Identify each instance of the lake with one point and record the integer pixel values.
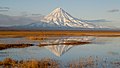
(65, 49)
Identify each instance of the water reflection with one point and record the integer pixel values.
(57, 45)
(70, 42)
(67, 40)
(65, 49)
(59, 50)
(48, 40)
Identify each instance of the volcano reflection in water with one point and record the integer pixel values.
(64, 44)
(56, 45)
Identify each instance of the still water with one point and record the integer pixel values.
(64, 48)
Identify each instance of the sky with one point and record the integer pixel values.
(107, 10)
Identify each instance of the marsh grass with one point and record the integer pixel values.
(89, 62)
(44, 63)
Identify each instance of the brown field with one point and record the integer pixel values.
(57, 33)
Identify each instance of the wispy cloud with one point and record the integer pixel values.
(114, 10)
(4, 9)
(17, 20)
(96, 21)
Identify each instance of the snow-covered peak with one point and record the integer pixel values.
(58, 10)
(58, 15)
(61, 18)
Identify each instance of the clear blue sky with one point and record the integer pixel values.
(84, 9)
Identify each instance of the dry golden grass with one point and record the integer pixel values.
(57, 33)
(36, 38)
(44, 63)
(89, 62)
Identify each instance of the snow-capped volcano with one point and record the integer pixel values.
(59, 15)
(61, 18)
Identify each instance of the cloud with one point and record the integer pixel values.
(96, 21)
(17, 20)
(7, 20)
(4, 9)
(114, 10)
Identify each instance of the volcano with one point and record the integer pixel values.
(61, 18)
